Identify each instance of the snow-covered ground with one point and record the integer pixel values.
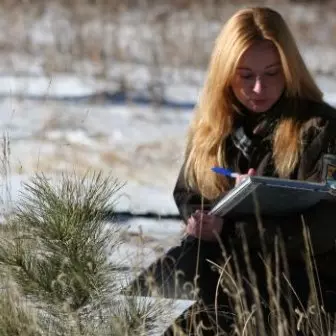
(67, 121)
(139, 144)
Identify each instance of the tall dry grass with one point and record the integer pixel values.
(55, 248)
(56, 277)
(271, 309)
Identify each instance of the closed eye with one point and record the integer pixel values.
(246, 76)
(272, 73)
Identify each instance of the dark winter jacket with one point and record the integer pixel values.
(319, 138)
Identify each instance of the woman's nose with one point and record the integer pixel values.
(258, 85)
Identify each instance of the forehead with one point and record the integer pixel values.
(259, 56)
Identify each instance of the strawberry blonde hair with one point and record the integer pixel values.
(213, 119)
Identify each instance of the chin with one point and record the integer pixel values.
(260, 108)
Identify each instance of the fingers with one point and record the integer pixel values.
(192, 228)
(196, 228)
(251, 172)
(241, 178)
(200, 231)
(204, 226)
(199, 214)
(202, 217)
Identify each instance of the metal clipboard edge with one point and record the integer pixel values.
(234, 197)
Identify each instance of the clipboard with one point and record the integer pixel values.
(271, 196)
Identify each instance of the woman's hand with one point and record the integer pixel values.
(204, 226)
(241, 178)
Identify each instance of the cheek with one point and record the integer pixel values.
(277, 87)
(240, 89)
(276, 91)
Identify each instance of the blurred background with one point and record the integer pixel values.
(110, 85)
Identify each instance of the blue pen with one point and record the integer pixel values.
(225, 171)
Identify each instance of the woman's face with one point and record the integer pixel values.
(259, 80)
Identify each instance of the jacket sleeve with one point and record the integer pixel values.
(319, 219)
(188, 200)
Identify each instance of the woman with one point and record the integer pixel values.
(260, 113)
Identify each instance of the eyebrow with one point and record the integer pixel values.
(269, 66)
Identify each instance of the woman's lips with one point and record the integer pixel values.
(258, 102)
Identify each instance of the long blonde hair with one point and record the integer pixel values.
(213, 119)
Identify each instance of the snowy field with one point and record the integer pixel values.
(58, 123)
(137, 144)
(76, 120)
(54, 126)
